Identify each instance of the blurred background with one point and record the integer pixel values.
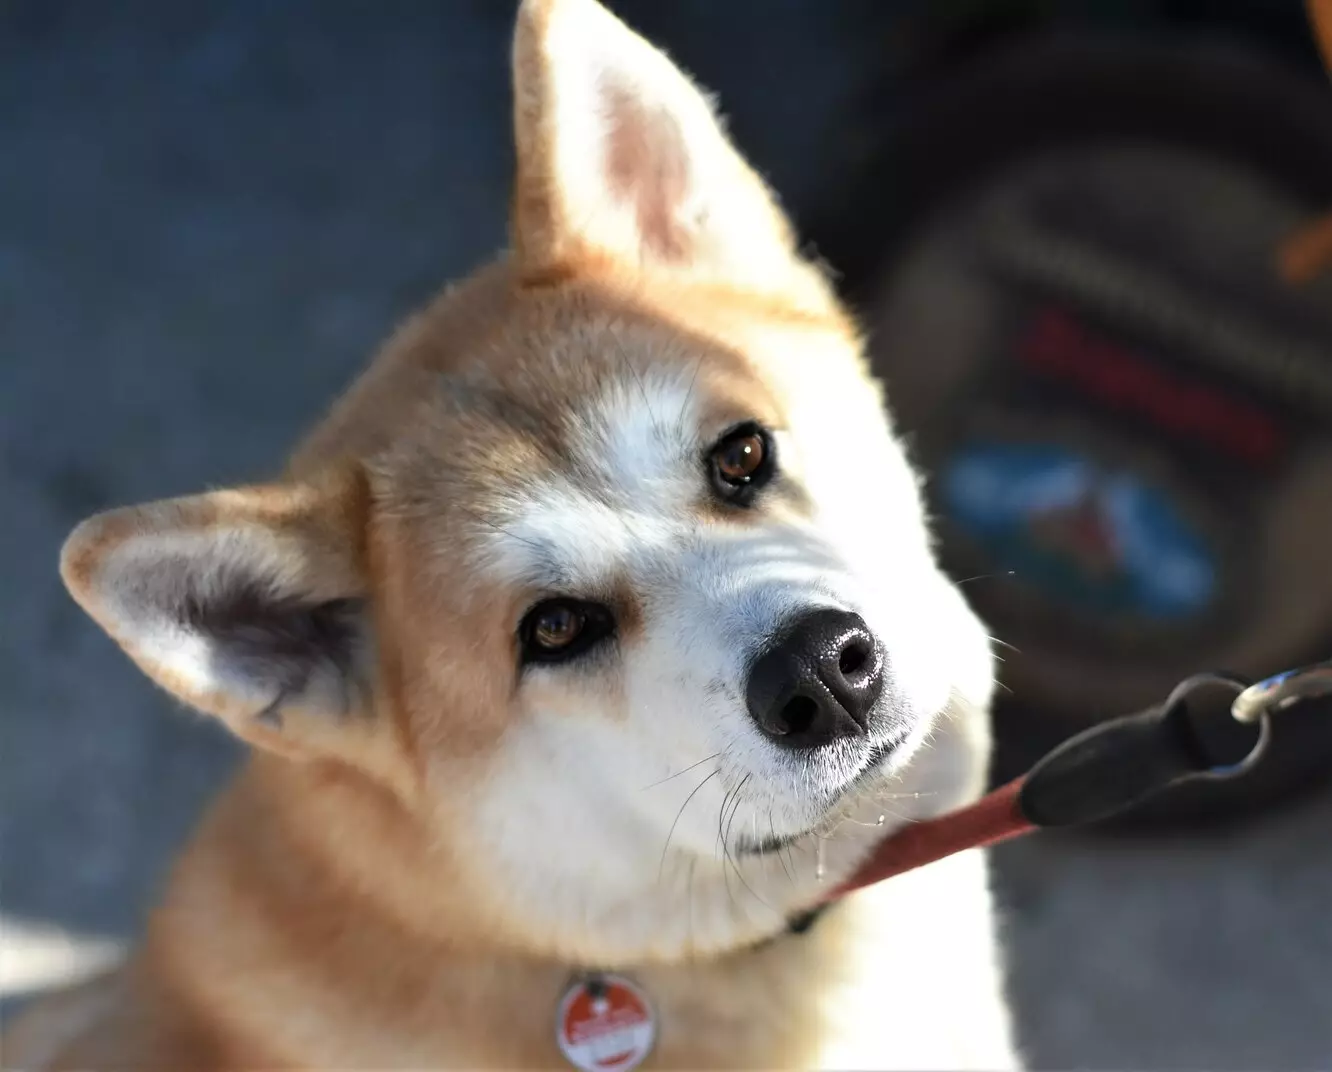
(1087, 239)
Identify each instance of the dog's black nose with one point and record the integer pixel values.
(818, 682)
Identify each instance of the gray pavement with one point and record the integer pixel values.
(209, 214)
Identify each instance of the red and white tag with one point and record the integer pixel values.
(605, 1024)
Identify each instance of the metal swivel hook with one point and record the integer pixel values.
(1282, 690)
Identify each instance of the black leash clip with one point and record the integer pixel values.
(1115, 765)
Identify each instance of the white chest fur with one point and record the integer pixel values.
(904, 975)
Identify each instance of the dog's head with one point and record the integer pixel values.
(610, 567)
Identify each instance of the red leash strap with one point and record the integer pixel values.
(996, 817)
(1104, 770)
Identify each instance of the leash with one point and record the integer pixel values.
(1109, 768)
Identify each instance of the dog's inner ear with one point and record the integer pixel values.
(261, 639)
(620, 156)
(247, 604)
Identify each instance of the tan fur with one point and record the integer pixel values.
(335, 909)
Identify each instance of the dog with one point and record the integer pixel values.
(593, 637)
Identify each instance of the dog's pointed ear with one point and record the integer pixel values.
(249, 604)
(620, 156)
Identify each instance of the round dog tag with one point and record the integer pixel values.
(605, 1024)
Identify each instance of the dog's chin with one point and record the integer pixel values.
(880, 760)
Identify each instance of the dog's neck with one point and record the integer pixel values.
(319, 876)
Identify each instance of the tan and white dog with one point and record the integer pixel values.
(595, 630)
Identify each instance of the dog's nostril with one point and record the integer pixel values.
(853, 658)
(798, 715)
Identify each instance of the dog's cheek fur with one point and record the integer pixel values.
(449, 657)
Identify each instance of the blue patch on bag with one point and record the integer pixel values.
(1106, 540)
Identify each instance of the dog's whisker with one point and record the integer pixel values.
(689, 394)
(986, 577)
(857, 822)
(727, 857)
(723, 825)
(790, 859)
(721, 812)
(638, 379)
(671, 833)
(505, 532)
(671, 777)
(754, 836)
(726, 881)
(772, 830)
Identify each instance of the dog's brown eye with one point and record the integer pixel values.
(559, 629)
(740, 463)
(739, 459)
